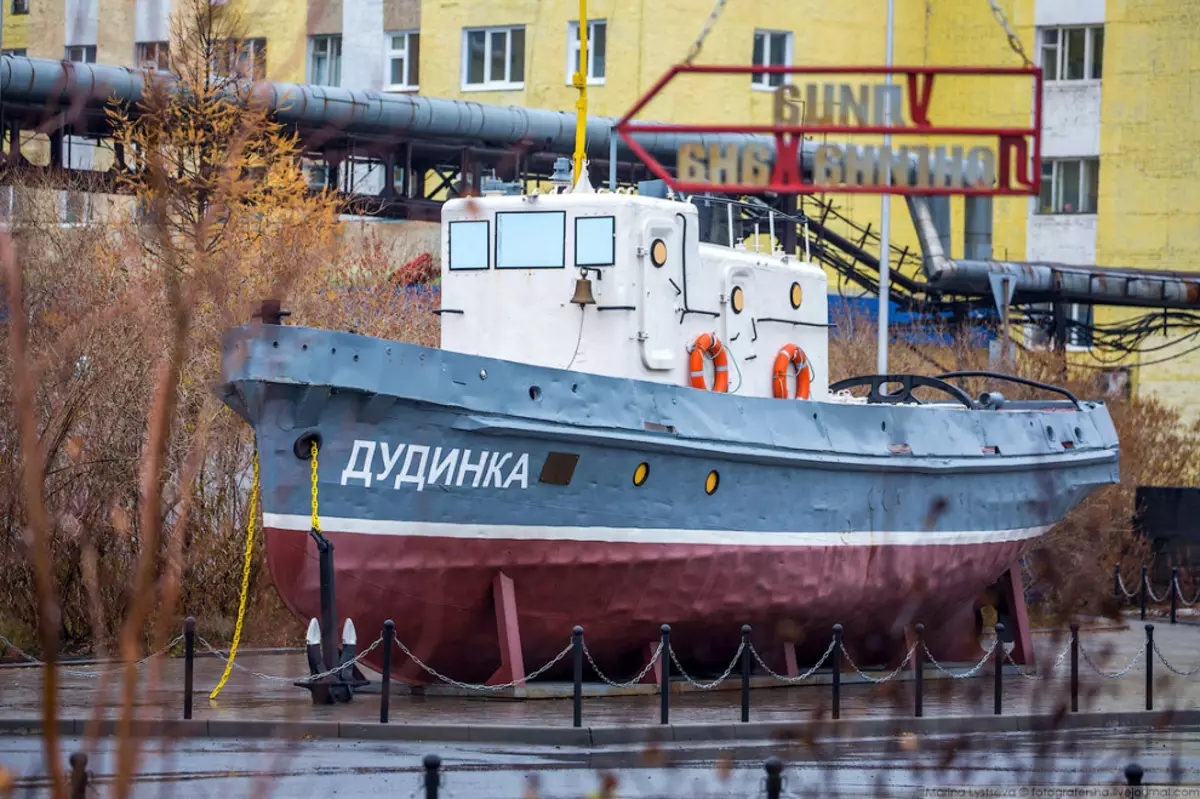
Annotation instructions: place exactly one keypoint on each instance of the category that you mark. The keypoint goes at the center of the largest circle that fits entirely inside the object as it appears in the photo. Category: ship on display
(625, 426)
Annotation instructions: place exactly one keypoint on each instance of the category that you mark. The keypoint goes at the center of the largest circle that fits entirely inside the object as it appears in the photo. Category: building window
(494, 58)
(1077, 322)
(152, 55)
(14, 51)
(596, 50)
(81, 54)
(325, 60)
(1069, 186)
(771, 49)
(245, 58)
(1072, 53)
(20, 7)
(403, 61)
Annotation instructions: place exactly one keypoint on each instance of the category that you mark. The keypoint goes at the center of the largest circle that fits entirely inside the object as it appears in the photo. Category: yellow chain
(237, 631)
(316, 522)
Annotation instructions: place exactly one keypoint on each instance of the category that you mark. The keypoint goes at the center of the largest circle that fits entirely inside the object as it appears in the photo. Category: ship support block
(512, 661)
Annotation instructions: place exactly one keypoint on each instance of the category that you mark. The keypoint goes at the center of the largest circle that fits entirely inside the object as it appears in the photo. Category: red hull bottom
(439, 593)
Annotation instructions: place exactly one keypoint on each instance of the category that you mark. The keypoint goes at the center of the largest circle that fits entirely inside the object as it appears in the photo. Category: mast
(580, 81)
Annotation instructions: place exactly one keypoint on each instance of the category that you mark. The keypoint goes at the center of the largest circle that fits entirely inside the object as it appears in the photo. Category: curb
(590, 737)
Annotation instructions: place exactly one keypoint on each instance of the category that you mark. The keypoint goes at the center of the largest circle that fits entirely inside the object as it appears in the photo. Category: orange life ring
(791, 354)
(711, 345)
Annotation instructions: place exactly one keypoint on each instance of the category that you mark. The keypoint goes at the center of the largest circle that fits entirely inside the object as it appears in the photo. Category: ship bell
(583, 292)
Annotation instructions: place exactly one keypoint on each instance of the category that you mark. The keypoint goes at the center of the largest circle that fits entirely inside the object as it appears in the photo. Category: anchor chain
(252, 517)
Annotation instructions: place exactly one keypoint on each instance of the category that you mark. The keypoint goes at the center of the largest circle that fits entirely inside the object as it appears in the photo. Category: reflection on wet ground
(873, 767)
(248, 697)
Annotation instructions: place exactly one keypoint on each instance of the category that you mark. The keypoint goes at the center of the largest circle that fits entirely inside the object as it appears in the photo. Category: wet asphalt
(873, 767)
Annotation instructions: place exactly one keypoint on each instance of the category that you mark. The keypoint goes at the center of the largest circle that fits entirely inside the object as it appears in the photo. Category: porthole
(797, 295)
(711, 483)
(658, 252)
(641, 473)
(535, 393)
(1078, 434)
(737, 299)
(1049, 432)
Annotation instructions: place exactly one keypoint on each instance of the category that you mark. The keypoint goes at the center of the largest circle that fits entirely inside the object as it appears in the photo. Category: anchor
(321, 649)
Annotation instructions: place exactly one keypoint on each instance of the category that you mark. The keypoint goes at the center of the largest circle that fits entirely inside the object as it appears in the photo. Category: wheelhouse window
(403, 61)
(494, 58)
(531, 239)
(771, 49)
(1074, 53)
(1069, 186)
(325, 60)
(595, 240)
(597, 45)
(469, 244)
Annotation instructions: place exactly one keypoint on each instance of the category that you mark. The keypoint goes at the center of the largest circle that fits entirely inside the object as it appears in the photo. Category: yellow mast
(580, 81)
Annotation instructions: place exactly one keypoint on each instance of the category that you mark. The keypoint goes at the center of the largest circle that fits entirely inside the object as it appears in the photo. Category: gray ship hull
(438, 471)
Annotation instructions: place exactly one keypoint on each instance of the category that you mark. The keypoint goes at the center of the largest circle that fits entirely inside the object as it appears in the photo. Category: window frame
(240, 51)
(15, 52)
(761, 81)
(589, 265)
(411, 67)
(162, 49)
(487, 248)
(573, 50)
(488, 84)
(86, 49)
(328, 39)
(19, 8)
(1061, 53)
(1088, 166)
(496, 243)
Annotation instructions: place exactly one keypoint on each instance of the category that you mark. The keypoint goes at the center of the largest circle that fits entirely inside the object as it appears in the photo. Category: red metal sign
(777, 158)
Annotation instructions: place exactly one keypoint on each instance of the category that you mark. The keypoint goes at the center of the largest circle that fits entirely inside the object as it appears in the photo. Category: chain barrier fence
(666, 658)
(1145, 595)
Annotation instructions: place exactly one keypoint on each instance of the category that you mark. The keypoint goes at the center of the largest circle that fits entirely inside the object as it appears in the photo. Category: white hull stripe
(626, 535)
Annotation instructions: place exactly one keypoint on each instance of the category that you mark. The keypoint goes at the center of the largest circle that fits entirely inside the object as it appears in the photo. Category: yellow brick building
(1121, 112)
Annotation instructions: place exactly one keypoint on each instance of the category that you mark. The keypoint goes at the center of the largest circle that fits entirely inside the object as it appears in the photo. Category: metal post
(1074, 668)
(664, 662)
(745, 673)
(1174, 592)
(385, 677)
(1149, 667)
(189, 663)
(432, 763)
(328, 616)
(1117, 580)
(919, 665)
(885, 242)
(577, 647)
(1133, 774)
(998, 656)
(837, 671)
(612, 159)
(79, 775)
(1143, 592)
(774, 777)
